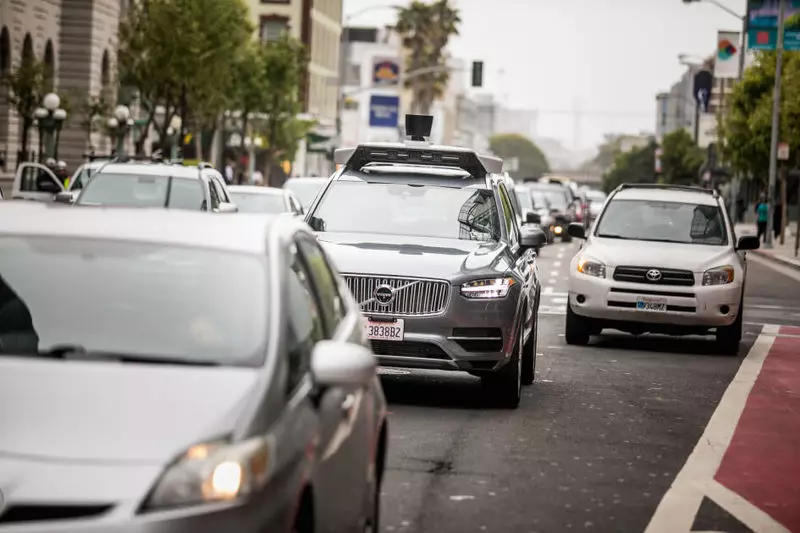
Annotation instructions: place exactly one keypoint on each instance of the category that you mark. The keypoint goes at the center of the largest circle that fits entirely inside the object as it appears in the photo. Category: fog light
(724, 309)
(581, 298)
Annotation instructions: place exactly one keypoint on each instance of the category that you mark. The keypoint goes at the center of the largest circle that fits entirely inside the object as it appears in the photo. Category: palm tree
(426, 30)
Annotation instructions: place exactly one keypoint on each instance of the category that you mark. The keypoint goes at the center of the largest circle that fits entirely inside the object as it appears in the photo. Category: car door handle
(348, 404)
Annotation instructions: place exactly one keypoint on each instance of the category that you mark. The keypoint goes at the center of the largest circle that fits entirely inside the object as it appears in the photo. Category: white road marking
(547, 290)
(552, 294)
(679, 506)
(557, 264)
(559, 300)
(552, 310)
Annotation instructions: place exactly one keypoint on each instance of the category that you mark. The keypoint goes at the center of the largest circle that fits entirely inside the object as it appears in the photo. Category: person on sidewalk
(762, 217)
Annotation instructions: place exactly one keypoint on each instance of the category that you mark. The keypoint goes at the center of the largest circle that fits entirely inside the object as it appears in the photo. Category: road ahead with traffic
(597, 440)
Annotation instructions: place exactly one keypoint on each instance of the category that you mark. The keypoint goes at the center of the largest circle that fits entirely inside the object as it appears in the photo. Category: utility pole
(776, 119)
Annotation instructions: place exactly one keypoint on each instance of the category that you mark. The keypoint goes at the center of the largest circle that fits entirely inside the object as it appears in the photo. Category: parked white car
(661, 259)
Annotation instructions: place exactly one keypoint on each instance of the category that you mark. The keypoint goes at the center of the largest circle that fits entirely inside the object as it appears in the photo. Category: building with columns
(77, 39)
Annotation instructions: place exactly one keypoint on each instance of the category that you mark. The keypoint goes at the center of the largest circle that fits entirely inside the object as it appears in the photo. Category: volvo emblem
(384, 295)
(653, 275)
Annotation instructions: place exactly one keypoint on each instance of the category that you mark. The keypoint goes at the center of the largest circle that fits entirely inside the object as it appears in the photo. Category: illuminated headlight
(213, 472)
(718, 276)
(558, 230)
(591, 267)
(487, 288)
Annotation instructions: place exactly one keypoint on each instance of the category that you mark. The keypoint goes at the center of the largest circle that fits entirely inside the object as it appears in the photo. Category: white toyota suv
(662, 259)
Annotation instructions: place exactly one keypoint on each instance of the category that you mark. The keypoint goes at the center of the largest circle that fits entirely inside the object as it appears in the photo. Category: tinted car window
(146, 300)
(259, 203)
(413, 210)
(134, 190)
(213, 194)
(663, 222)
(508, 216)
(325, 283)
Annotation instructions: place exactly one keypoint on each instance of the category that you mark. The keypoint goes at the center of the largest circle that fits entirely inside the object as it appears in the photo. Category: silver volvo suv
(428, 240)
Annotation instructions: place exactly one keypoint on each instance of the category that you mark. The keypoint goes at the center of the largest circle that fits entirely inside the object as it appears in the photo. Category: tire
(505, 386)
(304, 521)
(578, 329)
(529, 350)
(372, 524)
(728, 338)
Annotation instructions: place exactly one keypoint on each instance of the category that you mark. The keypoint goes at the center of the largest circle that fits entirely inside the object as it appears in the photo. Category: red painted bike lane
(762, 463)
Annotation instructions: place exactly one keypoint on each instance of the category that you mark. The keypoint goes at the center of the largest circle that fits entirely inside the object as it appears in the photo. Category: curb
(785, 261)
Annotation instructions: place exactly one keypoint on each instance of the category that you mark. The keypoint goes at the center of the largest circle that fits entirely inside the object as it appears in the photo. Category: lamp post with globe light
(174, 132)
(49, 120)
(120, 124)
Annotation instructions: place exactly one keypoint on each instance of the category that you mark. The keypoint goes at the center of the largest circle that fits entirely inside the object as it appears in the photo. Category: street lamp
(174, 132)
(120, 123)
(49, 120)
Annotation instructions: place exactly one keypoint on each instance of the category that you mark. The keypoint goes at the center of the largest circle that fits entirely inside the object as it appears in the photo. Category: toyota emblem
(384, 295)
(653, 275)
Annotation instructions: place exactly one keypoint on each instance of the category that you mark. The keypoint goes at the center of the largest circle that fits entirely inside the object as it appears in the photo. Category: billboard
(384, 111)
(726, 61)
(762, 33)
(385, 72)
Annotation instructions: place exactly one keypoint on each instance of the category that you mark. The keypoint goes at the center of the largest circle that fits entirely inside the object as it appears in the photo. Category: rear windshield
(646, 220)
(304, 190)
(133, 190)
(248, 202)
(110, 297)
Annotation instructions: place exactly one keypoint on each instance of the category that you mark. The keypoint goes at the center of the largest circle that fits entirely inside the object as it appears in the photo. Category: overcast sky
(607, 57)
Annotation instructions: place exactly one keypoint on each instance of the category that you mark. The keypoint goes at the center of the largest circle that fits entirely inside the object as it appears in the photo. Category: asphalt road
(596, 441)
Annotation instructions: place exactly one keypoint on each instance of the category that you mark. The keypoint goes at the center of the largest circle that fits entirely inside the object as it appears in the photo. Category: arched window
(49, 66)
(27, 48)
(5, 50)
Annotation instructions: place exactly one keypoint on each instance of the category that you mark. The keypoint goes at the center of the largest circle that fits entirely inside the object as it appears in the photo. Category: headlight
(718, 276)
(213, 472)
(558, 230)
(487, 288)
(591, 267)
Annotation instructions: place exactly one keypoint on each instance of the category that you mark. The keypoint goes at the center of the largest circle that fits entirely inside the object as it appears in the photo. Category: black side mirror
(533, 218)
(576, 230)
(532, 237)
(64, 198)
(748, 242)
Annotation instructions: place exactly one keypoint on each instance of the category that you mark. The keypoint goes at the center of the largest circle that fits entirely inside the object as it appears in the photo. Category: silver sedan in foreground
(164, 370)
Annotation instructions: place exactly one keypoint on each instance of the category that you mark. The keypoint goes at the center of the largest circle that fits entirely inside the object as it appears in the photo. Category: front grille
(411, 297)
(635, 274)
(423, 350)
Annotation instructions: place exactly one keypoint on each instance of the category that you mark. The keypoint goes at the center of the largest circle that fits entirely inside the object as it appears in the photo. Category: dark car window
(556, 199)
(219, 188)
(213, 194)
(133, 190)
(304, 319)
(259, 203)
(525, 201)
(647, 220)
(508, 216)
(324, 282)
(147, 300)
(414, 210)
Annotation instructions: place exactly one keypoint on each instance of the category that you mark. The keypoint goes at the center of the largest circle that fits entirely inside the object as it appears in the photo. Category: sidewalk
(783, 254)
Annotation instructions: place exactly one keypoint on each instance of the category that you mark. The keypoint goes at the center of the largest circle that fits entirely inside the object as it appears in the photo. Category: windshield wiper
(78, 352)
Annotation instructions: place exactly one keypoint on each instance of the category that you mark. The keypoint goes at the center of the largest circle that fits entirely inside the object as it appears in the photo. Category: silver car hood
(112, 412)
(397, 255)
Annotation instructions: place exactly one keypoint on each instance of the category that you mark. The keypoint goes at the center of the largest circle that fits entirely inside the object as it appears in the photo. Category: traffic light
(477, 73)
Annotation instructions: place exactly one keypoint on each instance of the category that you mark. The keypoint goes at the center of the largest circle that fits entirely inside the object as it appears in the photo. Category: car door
(347, 414)
(34, 181)
(522, 259)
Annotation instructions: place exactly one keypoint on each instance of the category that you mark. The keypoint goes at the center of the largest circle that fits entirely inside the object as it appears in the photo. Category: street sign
(762, 25)
(384, 111)
(783, 151)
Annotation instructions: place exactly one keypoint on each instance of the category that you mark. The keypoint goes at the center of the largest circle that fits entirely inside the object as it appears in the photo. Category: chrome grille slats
(412, 296)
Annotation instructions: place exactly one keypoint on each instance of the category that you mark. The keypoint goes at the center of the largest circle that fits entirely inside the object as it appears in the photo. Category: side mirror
(553, 211)
(65, 197)
(748, 242)
(226, 207)
(532, 237)
(342, 364)
(576, 230)
(533, 218)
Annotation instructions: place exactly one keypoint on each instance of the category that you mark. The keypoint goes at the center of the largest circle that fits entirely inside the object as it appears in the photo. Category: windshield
(304, 190)
(133, 190)
(80, 179)
(251, 202)
(414, 210)
(647, 220)
(556, 199)
(131, 299)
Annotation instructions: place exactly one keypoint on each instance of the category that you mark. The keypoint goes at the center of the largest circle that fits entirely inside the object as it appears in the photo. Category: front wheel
(505, 385)
(529, 355)
(578, 329)
(729, 337)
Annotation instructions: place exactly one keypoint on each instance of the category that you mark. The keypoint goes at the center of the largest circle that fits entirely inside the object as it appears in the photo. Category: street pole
(697, 122)
(776, 119)
(736, 178)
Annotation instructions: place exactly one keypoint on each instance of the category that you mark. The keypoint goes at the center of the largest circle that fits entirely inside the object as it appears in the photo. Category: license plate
(385, 331)
(644, 303)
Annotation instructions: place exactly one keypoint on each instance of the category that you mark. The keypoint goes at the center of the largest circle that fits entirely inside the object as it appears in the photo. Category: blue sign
(762, 32)
(384, 111)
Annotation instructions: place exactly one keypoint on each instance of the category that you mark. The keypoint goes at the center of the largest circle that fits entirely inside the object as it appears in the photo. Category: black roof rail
(667, 187)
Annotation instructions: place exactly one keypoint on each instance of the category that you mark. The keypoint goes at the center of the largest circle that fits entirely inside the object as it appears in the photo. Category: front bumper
(695, 306)
(470, 335)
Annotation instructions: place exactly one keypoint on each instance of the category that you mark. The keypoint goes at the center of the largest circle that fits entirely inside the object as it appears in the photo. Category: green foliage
(27, 85)
(635, 166)
(681, 159)
(426, 30)
(606, 153)
(532, 161)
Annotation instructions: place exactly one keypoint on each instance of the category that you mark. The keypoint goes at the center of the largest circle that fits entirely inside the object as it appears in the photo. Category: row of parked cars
(174, 359)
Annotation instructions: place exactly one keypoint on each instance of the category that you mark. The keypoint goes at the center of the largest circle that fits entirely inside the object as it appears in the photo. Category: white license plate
(644, 303)
(385, 331)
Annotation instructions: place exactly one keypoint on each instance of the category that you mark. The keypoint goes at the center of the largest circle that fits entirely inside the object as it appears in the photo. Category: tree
(426, 30)
(634, 166)
(606, 153)
(532, 161)
(681, 158)
(27, 86)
